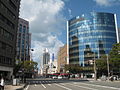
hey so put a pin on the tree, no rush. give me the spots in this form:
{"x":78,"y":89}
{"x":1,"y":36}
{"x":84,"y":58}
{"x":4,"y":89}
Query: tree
{"x":101,"y":66}
{"x":73,"y":68}
{"x":30,"y":66}
{"x":17,"y":67}
{"x":26,"y":66}
{"x":115,"y":59}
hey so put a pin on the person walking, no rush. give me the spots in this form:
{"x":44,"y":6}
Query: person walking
{"x":2,"y":84}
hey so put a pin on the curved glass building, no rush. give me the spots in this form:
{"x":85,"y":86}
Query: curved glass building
{"x":91,"y":36}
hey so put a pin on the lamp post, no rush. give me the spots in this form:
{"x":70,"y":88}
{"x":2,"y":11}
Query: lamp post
{"x":95,"y":71}
{"x":108,"y":68}
{"x":25,"y":58}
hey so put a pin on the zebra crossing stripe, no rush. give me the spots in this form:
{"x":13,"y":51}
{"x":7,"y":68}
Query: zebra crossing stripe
{"x":43,"y":85}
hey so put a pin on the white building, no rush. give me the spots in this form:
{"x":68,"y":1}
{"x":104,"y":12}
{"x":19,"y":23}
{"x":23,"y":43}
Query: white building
{"x":52,"y":67}
{"x":44,"y":63}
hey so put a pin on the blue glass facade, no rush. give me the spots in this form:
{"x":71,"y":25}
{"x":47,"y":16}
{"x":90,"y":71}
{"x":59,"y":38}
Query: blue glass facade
{"x":90,"y":35}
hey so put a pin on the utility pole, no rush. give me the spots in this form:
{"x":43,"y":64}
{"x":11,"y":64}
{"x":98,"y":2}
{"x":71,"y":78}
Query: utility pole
{"x":108,"y":69}
{"x":95,"y":71}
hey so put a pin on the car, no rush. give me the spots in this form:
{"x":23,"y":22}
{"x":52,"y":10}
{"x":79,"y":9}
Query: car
{"x":113,"y":77}
{"x":54,"y":77}
{"x":65,"y":77}
{"x":60,"y":77}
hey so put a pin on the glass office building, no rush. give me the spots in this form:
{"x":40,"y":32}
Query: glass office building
{"x":90,"y":36}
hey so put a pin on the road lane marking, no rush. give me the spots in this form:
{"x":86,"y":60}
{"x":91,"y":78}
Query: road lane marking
{"x":35,"y":85}
{"x":43,"y":85}
{"x":101,"y":86}
{"x":27,"y":87}
{"x":63,"y":87}
{"x":83,"y":87}
{"x":49,"y":84}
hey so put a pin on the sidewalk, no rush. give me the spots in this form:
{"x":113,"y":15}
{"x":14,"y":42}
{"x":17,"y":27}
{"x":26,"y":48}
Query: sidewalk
{"x":11,"y":87}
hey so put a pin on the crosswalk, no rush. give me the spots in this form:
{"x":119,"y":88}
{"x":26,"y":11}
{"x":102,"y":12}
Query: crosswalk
{"x":65,"y":85}
{"x":44,"y":82}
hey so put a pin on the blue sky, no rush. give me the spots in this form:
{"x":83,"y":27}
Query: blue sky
{"x":79,"y":7}
{"x":48,"y":18}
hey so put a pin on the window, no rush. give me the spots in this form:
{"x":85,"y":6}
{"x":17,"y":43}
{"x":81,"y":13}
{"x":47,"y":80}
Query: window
{"x":5,"y":20}
{"x":1,"y":31}
{"x":6,"y":34}
{"x":0,"y":45}
{"x":12,"y":5}
{"x":3,"y":46}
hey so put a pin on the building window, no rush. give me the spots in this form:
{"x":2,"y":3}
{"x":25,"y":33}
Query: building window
{"x":12,"y":5}
{"x":0,"y":45}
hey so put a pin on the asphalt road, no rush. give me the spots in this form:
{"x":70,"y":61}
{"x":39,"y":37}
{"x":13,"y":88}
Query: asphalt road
{"x":49,"y":84}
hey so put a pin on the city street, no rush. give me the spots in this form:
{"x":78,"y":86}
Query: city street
{"x":50,"y":84}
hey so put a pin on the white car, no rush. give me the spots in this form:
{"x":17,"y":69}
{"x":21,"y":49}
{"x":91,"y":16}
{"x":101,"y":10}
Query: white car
{"x":54,"y":77}
{"x":60,"y":77}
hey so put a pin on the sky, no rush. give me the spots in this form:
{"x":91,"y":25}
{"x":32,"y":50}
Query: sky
{"x":47,"y":20}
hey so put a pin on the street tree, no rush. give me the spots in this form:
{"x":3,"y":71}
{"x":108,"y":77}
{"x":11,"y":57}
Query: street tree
{"x":26,"y":66}
{"x":73,"y":68}
{"x":114,"y":59}
{"x":101,"y":66}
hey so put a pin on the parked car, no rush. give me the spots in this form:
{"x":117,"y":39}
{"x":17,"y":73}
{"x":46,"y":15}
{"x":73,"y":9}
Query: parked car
{"x":114,"y":77}
{"x":60,"y":77}
{"x":54,"y":77}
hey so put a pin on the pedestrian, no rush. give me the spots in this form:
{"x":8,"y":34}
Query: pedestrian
{"x":2,"y":84}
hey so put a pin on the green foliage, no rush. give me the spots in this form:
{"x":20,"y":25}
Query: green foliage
{"x":27,"y":66}
{"x":115,"y":58}
{"x":30,"y":65}
{"x":101,"y":63}
{"x":73,"y":68}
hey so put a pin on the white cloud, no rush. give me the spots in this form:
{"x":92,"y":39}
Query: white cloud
{"x":107,"y":2}
{"x":70,"y":12}
{"x":46,"y":23}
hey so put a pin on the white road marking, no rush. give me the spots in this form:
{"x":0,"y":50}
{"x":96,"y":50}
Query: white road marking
{"x":83,"y":87}
{"x":27,"y":87}
{"x":100,"y":86}
{"x":49,"y":84}
{"x":63,"y":87}
{"x":43,"y":85}
{"x":35,"y":85}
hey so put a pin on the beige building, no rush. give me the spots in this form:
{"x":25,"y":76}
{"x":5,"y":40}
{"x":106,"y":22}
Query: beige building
{"x":62,"y":58}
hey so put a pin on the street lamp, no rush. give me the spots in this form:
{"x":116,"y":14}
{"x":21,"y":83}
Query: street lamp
{"x":25,"y":58}
{"x":108,"y":68}
{"x":95,"y":71}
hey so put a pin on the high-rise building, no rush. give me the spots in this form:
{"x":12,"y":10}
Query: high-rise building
{"x":44,"y":63}
{"x":91,"y":35}
{"x":46,"y":56}
{"x":62,"y":58}
{"x":23,"y":40}
{"x":9,"y":12}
